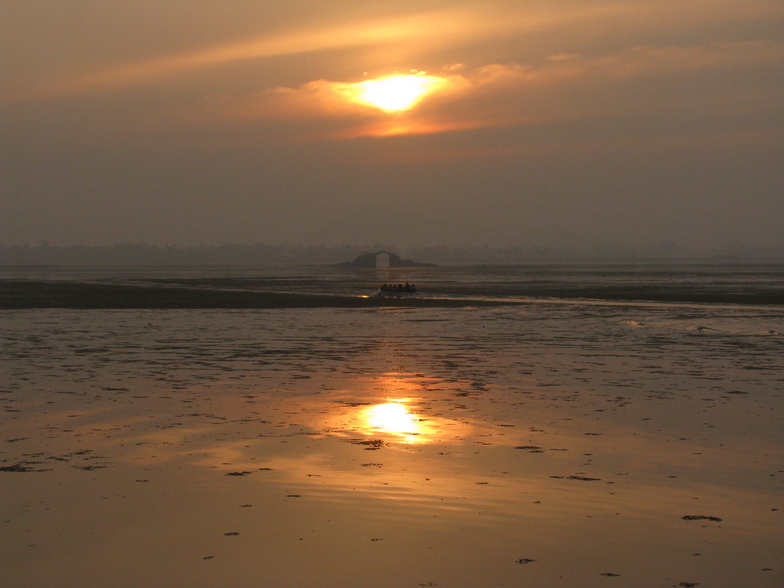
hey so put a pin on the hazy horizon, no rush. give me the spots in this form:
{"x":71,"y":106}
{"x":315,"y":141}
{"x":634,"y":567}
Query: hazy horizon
{"x":227,"y":254}
{"x":555,"y":124}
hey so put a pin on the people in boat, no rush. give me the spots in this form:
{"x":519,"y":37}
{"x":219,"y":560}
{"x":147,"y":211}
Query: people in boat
{"x":398,"y":288}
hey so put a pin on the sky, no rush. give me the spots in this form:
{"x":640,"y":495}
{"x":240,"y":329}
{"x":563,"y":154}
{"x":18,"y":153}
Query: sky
{"x":505,"y":123}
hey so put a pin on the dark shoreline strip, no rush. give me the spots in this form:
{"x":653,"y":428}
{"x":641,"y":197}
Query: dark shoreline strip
{"x":21,"y":294}
{"x":77,"y":295}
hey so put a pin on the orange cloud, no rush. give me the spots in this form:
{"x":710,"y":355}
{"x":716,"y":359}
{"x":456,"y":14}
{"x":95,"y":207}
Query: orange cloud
{"x":559,"y":87}
{"x":415,"y":30}
{"x":408,"y":35}
{"x":487,"y":31}
{"x":342,"y":107}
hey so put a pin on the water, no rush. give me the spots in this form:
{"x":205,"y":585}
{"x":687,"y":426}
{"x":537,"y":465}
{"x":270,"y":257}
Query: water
{"x":699,"y":281}
{"x":549,"y":443}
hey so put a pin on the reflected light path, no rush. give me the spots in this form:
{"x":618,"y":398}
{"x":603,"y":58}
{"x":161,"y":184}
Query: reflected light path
{"x":396,"y":407}
{"x":393,"y":418}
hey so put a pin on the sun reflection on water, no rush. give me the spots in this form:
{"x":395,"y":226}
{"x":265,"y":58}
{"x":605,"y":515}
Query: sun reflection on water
{"x":393,"y":418}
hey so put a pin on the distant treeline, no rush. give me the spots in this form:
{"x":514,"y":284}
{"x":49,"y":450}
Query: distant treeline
{"x":140,"y":254}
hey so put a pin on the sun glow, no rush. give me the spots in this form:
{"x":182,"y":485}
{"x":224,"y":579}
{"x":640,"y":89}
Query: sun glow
{"x":392,"y":418}
{"x":397,"y":92}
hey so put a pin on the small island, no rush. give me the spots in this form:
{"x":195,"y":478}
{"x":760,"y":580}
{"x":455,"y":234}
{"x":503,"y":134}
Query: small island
{"x":377,"y":259}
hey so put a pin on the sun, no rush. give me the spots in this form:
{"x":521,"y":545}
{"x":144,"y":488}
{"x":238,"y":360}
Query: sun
{"x":396,"y":92}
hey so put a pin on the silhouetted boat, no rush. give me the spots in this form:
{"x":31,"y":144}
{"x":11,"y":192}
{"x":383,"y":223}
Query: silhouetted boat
{"x":397,"y":291}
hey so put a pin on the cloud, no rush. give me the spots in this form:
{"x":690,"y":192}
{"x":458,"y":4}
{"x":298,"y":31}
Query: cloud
{"x":474,"y":33}
{"x":509,"y":71}
{"x":414,"y":30}
{"x":635,"y":81}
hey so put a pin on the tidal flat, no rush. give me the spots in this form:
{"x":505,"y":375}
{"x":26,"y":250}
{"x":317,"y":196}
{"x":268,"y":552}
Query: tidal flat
{"x":568,"y":444}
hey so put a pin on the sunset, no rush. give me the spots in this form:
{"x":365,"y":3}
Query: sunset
{"x":365,"y":294}
{"x":397,"y":92}
{"x":537,"y":97}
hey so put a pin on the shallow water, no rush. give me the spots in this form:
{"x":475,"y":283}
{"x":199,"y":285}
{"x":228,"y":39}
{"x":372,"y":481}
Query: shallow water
{"x":680,"y":281}
{"x":558,"y":443}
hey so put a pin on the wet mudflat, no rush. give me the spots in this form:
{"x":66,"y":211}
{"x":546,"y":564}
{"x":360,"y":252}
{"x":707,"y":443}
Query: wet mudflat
{"x":572,"y":445}
{"x":194,"y":294}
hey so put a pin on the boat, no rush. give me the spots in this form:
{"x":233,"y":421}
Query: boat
{"x":397,"y":291}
